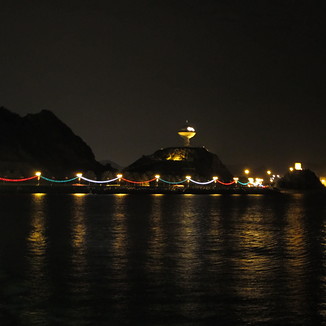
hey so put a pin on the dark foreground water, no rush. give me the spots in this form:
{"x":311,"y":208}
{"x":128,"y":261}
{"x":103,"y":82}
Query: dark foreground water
{"x":162,"y":260}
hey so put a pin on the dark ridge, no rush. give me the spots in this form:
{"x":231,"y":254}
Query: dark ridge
{"x":42,"y":142}
{"x":197,"y":162}
{"x":300,"y":180}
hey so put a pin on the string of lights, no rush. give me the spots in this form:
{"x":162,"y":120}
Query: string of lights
{"x":243,"y":183}
{"x":173,"y":183}
{"x":18,"y":180}
{"x":226,"y":183}
{"x":138,"y":182}
{"x":96,"y":181}
{"x":202,"y":183}
{"x":58,"y":181}
{"x":120,"y":178}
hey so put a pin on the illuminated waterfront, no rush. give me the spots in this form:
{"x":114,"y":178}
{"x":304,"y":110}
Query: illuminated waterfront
{"x":162,"y":259}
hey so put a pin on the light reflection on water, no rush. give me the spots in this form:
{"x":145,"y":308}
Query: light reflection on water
{"x":162,"y":259}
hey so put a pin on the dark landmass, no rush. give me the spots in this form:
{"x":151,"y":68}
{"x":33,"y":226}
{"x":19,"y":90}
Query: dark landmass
{"x":300,"y":180}
{"x":115,"y":165}
{"x":177,"y":162}
{"x":42,"y":142}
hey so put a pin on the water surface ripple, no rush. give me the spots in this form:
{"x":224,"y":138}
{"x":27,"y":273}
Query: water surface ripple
{"x":162,"y":260}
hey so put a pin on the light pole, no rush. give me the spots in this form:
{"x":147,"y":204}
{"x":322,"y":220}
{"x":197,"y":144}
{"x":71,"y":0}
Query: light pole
{"x":38,"y":174}
{"x":119,"y":176}
{"x":188,"y":177}
{"x":157,"y":176}
{"x":79,"y":175}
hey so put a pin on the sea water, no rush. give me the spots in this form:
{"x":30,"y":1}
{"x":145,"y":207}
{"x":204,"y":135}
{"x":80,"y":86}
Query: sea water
{"x":162,"y":259}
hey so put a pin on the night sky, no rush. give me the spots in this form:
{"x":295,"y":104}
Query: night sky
{"x":125,"y":75}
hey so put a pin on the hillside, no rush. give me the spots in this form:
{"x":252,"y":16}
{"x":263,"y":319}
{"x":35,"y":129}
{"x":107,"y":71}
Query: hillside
{"x":179,"y":162}
{"x":42,"y":142}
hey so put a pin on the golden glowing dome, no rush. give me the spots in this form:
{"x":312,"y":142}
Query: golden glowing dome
{"x":186,"y":133}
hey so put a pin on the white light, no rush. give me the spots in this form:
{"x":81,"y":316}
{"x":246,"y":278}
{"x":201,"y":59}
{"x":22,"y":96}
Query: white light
{"x":190,"y":129}
{"x":298,"y":166}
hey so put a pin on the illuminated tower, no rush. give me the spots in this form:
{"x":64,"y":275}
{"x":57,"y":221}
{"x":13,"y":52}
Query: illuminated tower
{"x":186,"y":133}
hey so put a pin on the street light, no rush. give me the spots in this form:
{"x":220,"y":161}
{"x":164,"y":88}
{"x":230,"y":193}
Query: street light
{"x":38,"y":174}
{"x":119,"y":176}
{"x":246,"y":171}
{"x":79,"y":175}
{"x":157,"y":177}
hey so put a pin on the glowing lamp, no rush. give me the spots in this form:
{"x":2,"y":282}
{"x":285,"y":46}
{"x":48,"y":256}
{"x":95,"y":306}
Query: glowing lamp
{"x":38,"y":174}
{"x":269,"y":172}
{"x":79,"y":175}
{"x":119,"y":176}
{"x":298,"y":166}
{"x":291,"y":168}
{"x":246,"y":171}
{"x":188,"y":177}
{"x":236,"y":180}
{"x":215,"y":179}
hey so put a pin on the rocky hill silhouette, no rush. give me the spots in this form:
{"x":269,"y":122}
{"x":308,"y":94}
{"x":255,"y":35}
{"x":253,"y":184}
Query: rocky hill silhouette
{"x":177,"y":162}
{"x":300,"y":180}
{"x":42,"y":142}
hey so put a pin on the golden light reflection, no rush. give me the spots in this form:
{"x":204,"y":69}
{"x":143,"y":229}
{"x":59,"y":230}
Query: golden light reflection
{"x":156,"y":243}
{"x":79,"y":229}
{"x":39,"y":194}
{"x":255,"y":239}
{"x":36,"y":254}
{"x":296,"y":250}
{"x":79,"y":244}
{"x":120,"y":195}
{"x":79,"y":194}
{"x":187,"y":260}
{"x":37,"y":235}
{"x":119,"y":245}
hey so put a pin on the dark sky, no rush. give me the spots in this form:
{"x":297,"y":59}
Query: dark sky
{"x":125,"y":75}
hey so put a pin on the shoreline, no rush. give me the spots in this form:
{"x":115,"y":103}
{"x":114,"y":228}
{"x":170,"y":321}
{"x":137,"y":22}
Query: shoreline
{"x":102,"y":190}
{"x":89,"y":189}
